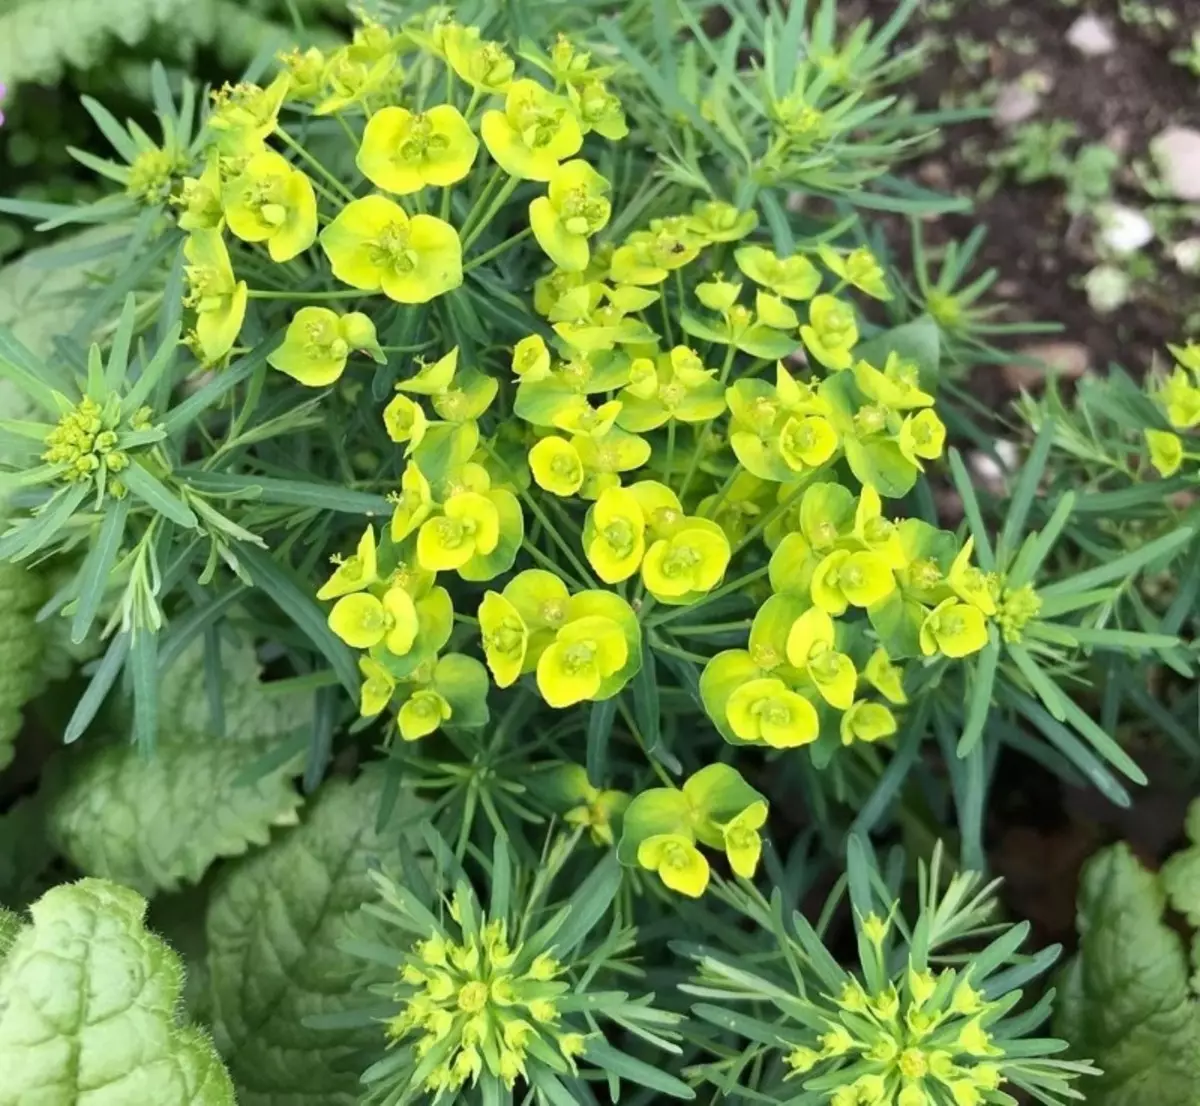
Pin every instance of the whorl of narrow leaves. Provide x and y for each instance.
(88, 1001)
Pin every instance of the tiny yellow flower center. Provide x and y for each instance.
(913, 1064)
(391, 249)
(473, 997)
(619, 535)
(579, 656)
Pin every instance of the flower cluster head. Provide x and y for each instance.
(469, 1000)
(918, 1022)
(1177, 397)
(258, 184)
(93, 441)
(854, 595)
(715, 807)
(507, 988)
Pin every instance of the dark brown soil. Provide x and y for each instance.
(1122, 99)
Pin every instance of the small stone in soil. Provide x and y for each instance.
(1176, 151)
(1092, 36)
(1065, 359)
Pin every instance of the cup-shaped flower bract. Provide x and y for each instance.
(469, 524)
(831, 332)
(217, 296)
(585, 652)
(536, 130)
(271, 201)
(318, 343)
(402, 152)
(953, 628)
(574, 208)
(688, 563)
(373, 244)
(766, 710)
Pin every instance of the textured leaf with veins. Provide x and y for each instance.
(274, 923)
(156, 822)
(1125, 1000)
(88, 1001)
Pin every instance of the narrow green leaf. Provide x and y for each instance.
(636, 1071)
(1043, 686)
(118, 353)
(292, 493)
(1122, 567)
(151, 491)
(1027, 564)
(27, 372)
(599, 732)
(110, 128)
(966, 490)
(216, 389)
(979, 701)
(98, 688)
(36, 532)
(298, 604)
(159, 364)
(143, 662)
(645, 696)
(97, 567)
(1017, 509)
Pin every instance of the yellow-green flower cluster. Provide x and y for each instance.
(663, 827)
(89, 443)
(475, 1003)
(387, 242)
(921, 1039)
(392, 610)
(809, 658)
(1177, 396)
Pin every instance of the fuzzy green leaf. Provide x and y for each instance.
(1125, 1001)
(88, 1001)
(21, 647)
(274, 926)
(155, 822)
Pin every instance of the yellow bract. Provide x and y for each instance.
(767, 710)
(402, 152)
(556, 466)
(505, 638)
(574, 208)
(319, 342)
(272, 202)
(618, 535)
(217, 297)
(679, 864)
(692, 559)
(583, 654)
(362, 620)
(355, 573)
(469, 524)
(535, 131)
(374, 245)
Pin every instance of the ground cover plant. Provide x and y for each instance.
(484, 619)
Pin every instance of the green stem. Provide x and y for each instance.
(698, 628)
(341, 294)
(670, 449)
(774, 513)
(659, 770)
(481, 200)
(702, 434)
(465, 619)
(547, 563)
(506, 190)
(302, 153)
(712, 597)
(714, 507)
(349, 131)
(584, 574)
(674, 651)
(497, 250)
